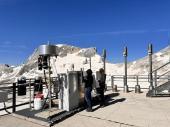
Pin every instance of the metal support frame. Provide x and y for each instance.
(49, 69)
(14, 98)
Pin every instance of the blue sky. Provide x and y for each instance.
(110, 24)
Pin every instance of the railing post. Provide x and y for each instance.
(137, 80)
(14, 97)
(112, 81)
(168, 77)
(137, 87)
(114, 87)
(155, 79)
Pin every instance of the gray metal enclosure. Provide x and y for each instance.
(71, 94)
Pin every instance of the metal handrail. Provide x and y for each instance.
(160, 67)
(133, 76)
(162, 74)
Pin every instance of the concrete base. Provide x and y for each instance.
(43, 118)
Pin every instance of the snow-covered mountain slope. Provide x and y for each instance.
(70, 56)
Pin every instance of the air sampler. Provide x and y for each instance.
(66, 90)
(70, 89)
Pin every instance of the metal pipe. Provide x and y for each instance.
(150, 52)
(49, 70)
(125, 62)
(137, 80)
(90, 62)
(137, 87)
(104, 60)
(30, 93)
(155, 79)
(125, 54)
(112, 81)
(14, 98)
(161, 67)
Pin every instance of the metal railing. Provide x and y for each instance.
(15, 101)
(132, 80)
(162, 77)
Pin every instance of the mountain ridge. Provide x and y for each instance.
(71, 55)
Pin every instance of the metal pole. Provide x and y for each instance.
(112, 81)
(150, 52)
(30, 93)
(125, 60)
(137, 87)
(125, 54)
(90, 62)
(155, 79)
(14, 98)
(137, 80)
(104, 60)
(49, 69)
(114, 87)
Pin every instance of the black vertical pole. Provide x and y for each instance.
(125, 60)
(49, 92)
(14, 98)
(150, 51)
(125, 53)
(104, 64)
(104, 60)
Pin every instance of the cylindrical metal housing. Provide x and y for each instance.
(48, 50)
(150, 49)
(104, 53)
(125, 52)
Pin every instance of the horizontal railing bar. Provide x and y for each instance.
(161, 67)
(163, 74)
